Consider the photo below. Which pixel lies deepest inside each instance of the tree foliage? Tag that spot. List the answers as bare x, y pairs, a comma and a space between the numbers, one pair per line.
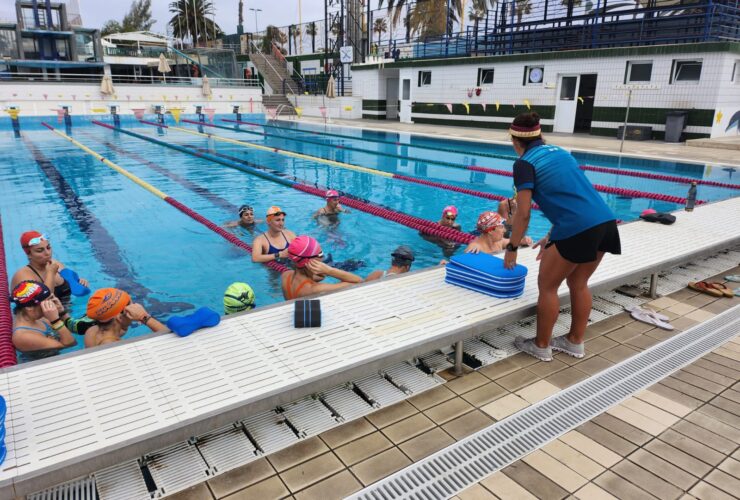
191, 19
138, 18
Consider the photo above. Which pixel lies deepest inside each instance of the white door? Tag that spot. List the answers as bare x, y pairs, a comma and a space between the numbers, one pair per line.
406, 100
565, 109
391, 99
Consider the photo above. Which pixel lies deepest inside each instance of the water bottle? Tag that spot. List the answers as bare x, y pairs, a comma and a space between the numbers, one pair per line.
691, 198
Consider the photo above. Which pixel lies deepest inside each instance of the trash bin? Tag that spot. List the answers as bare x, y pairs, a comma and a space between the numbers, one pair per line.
675, 121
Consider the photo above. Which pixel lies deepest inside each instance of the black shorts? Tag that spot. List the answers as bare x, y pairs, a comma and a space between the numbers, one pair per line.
585, 246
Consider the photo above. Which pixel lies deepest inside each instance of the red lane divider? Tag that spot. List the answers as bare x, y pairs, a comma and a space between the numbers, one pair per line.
221, 232
659, 177
7, 349
154, 123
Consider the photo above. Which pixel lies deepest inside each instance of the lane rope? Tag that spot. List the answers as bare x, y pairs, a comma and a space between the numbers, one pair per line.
7, 349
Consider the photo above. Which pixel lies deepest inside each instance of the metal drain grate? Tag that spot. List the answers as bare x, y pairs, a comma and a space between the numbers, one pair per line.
309, 416
380, 391
122, 482
411, 380
177, 468
436, 361
457, 467
483, 352
269, 431
346, 403
226, 448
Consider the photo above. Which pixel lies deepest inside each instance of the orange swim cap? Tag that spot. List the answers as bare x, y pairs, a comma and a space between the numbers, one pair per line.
107, 303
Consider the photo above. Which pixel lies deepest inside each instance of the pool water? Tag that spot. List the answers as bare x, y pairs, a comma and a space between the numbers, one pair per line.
114, 233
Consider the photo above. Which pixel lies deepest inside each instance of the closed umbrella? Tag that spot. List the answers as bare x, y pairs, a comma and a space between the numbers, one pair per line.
106, 85
206, 89
164, 66
330, 87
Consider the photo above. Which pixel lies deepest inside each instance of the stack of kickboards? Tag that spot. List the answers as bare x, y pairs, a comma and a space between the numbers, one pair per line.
486, 274
3, 450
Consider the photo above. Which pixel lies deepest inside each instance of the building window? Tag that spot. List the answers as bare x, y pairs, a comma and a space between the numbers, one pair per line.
686, 71
425, 78
485, 76
533, 75
736, 72
85, 44
8, 46
638, 71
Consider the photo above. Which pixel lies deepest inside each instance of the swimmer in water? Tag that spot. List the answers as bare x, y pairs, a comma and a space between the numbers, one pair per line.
332, 207
401, 260
246, 218
273, 244
449, 219
491, 240
113, 311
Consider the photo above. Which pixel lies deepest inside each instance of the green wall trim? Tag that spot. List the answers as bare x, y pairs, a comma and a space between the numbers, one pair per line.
657, 135
373, 105
373, 117
681, 48
467, 123
504, 111
696, 118
311, 57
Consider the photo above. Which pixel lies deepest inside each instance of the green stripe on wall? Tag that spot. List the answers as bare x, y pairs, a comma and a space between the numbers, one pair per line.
468, 123
696, 118
504, 111
373, 105
373, 117
657, 135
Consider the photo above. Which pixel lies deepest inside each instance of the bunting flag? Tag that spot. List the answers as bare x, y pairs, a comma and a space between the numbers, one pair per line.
13, 113
430, 104
251, 104
322, 109
175, 112
138, 113
449, 107
60, 115
498, 105
580, 99
210, 112
299, 112
348, 108
467, 107
526, 102
484, 106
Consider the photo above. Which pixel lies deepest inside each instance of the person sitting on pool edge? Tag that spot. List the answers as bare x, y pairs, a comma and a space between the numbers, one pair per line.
401, 260
491, 239
332, 207
246, 218
306, 254
114, 312
38, 322
238, 297
42, 267
273, 244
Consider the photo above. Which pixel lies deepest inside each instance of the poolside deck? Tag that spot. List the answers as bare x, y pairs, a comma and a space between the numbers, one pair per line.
68, 418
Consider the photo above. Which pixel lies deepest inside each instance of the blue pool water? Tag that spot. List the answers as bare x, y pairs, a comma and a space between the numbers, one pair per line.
115, 233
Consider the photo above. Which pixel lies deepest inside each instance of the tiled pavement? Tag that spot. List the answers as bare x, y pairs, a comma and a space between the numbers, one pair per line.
679, 437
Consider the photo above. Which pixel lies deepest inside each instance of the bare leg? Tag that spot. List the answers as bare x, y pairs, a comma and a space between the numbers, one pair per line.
553, 270
580, 298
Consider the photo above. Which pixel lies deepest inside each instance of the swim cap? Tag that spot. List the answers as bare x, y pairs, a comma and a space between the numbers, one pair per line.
302, 249
31, 238
245, 208
331, 194
29, 293
449, 210
238, 297
648, 211
403, 253
273, 211
489, 220
107, 303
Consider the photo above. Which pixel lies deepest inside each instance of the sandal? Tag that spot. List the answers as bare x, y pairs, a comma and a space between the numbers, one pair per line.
733, 277
645, 317
646, 310
726, 291
704, 287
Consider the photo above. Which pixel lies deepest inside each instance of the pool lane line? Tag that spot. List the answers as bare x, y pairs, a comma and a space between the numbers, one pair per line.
183, 208
7, 349
423, 225
588, 168
103, 245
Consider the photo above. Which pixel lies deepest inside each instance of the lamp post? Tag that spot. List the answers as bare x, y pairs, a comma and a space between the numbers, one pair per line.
255, 17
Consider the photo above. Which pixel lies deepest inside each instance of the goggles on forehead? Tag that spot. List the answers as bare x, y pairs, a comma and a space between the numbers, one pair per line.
37, 240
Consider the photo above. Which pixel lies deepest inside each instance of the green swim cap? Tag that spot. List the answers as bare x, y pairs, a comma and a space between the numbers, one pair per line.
238, 297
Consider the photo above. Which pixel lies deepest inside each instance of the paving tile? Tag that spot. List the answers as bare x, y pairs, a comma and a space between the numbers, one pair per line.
516, 380
467, 383
683, 323
567, 377
723, 481
590, 448
347, 432
594, 365
365, 447
623, 429
700, 315
676, 396
682, 309
721, 415
266, 489
692, 447
662, 303
646, 480
637, 420
618, 353
732, 395
538, 391
699, 382
534, 482
476, 492
731, 467
504, 487
593, 492
718, 306
664, 403
484, 394
573, 459
523, 360
444, 412
642, 342
297, 453
663, 469
241, 477
705, 491
650, 411
660, 334
613, 322
688, 389
556, 471
500, 368
570, 360
432, 397
335, 487
623, 334
544, 368
715, 426
727, 405
600, 344
311, 472
425, 444
722, 360
700, 300
503, 407
608, 439
380, 466
197, 492
678, 458
408, 428
620, 487
391, 414
467, 424
709, 438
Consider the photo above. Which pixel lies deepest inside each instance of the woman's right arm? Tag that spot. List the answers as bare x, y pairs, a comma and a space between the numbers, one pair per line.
318, 267
258, 251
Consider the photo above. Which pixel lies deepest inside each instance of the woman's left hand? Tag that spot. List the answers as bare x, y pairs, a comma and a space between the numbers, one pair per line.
509, 259
57, 303
84, 282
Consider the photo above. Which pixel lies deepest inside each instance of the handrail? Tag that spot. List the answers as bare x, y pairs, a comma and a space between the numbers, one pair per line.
32, 78
277, 52
281, 108
202, 67
274, 70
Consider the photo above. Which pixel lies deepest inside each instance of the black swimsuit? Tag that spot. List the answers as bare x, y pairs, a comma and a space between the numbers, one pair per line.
62, 292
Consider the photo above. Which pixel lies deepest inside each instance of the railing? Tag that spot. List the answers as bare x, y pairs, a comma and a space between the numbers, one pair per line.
151, 52
179, 81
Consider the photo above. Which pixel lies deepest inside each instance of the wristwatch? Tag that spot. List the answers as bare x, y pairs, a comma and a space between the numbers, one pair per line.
511, 248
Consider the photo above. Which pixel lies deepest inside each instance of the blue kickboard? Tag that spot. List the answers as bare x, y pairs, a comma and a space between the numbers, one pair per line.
201, 318
71, 277
465, 275
489, 265
484, 290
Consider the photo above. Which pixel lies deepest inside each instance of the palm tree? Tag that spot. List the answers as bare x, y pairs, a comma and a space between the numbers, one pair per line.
312, 31
191, 19
425, 18
522, 7
273, 34
479, 10
380, 26
297, 39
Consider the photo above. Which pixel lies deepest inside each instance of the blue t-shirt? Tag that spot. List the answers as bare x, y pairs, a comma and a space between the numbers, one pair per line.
561, 189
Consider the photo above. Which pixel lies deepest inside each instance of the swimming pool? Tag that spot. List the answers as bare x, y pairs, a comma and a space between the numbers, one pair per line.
115, 233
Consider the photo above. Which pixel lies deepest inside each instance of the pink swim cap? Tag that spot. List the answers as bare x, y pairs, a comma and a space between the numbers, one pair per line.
302, 249
449, 210
648, 211
331, 194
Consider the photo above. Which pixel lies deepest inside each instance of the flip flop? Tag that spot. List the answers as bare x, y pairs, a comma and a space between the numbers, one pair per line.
726, 291
644, 317
654, 314
733, 277
704, 287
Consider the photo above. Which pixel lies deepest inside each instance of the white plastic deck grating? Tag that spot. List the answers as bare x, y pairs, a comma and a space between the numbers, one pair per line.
122, 482
309, 416
226, 448
483, 352
82, 489
59, 411
177, 468
379, 390
410, 379
436, 361
270, 431
346, 402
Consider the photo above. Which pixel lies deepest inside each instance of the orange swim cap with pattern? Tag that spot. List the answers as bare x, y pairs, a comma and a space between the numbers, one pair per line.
107, 303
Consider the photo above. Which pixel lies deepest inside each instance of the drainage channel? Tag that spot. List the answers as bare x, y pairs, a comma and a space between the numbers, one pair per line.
463, 464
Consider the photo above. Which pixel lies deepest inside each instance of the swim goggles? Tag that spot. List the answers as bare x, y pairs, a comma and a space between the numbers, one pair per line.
245, 208
37, 240
319, 255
